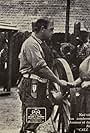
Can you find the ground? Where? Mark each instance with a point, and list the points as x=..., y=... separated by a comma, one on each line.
x=10, y=115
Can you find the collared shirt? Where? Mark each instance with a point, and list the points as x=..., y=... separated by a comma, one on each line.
x=31, y=55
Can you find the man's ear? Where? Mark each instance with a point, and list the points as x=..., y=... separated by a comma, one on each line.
x=42, y=28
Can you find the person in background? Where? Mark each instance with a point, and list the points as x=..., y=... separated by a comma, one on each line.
x=3, y=65
x=83, y=54
x=36, y=72
x=83, y=46
x=84, y=80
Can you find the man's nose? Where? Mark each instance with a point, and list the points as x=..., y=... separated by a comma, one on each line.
x=52, y=32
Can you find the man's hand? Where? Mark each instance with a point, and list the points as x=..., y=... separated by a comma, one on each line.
x=63, y=83
x=71, y=84
x=85, y=84
x=67, y=84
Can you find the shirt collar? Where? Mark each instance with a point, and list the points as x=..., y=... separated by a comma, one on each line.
x=37, y=39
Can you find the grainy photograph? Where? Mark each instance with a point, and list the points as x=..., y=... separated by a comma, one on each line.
x=44, y=66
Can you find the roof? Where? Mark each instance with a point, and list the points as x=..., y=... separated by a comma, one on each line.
x=7, y=26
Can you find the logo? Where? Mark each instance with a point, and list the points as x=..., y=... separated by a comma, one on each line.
x=35, y=114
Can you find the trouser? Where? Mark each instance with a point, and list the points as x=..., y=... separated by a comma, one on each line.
x=29, y=101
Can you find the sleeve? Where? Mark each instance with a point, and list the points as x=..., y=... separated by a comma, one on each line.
x=84, y=69
x=34, y=56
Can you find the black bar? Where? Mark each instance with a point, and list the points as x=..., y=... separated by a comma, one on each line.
x=67, y=21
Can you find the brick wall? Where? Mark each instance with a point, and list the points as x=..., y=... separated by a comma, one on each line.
x=23, y=12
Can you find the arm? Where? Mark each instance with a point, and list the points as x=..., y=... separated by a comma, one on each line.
x=46, y=72
x=77, y=81
x=34, y=57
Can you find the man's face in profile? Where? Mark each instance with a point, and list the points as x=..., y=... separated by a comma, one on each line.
x=49, y=31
